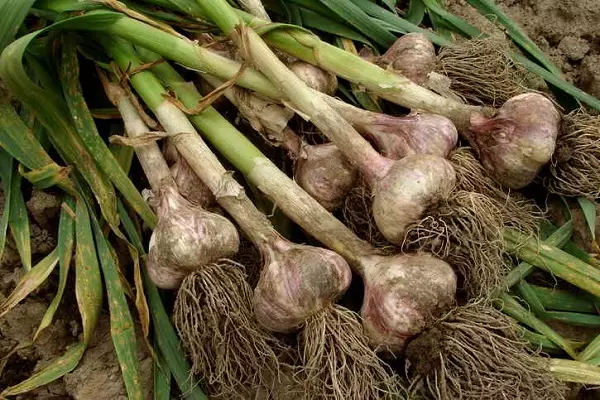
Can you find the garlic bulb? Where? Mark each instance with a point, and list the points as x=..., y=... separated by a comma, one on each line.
x=411, y=185
x=187, y=237
x=296, y=282
x=412, y=55
x=401, y=293
x=515, y=143
x=398, y=137
x=324, y=173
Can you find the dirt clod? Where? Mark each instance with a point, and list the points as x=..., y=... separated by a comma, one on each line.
x=44, y=208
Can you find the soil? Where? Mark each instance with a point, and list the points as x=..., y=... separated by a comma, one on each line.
x=567, y=30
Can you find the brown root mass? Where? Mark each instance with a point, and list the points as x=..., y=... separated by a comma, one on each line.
x=518, y=212
x=465, y=230
x=357, y=215
x=482, y=72
x=338, y=362
x=575, y=166
x=230, y=353
x=475, y=352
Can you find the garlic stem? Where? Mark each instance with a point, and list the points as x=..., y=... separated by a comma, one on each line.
x=151, y=158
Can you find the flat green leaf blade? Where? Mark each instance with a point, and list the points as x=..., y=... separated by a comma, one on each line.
x=13, y=13
x=122, y=327
x=56, y=369
x=317, y=21
x=50, y=109
x=18, y=140
x=6, y=169
x=588, y=208
x=162, y=376
x=416, y=12
x=88, y=282
x=86, y=127
x=66, y=242
x=18, y=221
x=511, y=307
x=591, y=351
x=356, y=17
x=30, y=281
x=562, y=300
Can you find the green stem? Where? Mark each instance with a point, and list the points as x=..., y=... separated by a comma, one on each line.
x=555, y=261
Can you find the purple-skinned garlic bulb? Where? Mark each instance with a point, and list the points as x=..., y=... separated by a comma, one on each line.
x=398, y=137
x=409, y=187
x=315, y=77
x=515, y=143
x=185, y=238
x=297, y=281
x=402, y=293
x=412, y=55
x=325, y=174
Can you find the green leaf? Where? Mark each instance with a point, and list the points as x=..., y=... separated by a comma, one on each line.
x=416, y=12
x=399, y=23
x=592, y=350
x=359, y=20
x=13, y=13
x=88, y=281
x=18, y=140
x=162, y=377
x=56, y=369
x=554, y=260
x=391, y=4
x=460, y=24
x=588, y=208
x=50, y=109
x=18, y=221
x=511, y=307
x=558, y=238
x=165, y=335
x=30, y=281
x=570, y=318
x=66, y=241
x=495, y=14
x=86, y=128
x=122, y=327
x=314, y=20
x=562, y=300
x=6, y=170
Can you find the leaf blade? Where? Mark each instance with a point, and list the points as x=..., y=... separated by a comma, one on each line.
x=122, y=326
x=30, y=281
x=66, y=242
x=86, y=128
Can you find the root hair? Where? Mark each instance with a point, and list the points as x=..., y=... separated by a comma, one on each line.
x=466, y=231
x=338, y=363
x=575, y=167
x=476, y=352
x=357, y=215
x=482, y=72
x=518, y=212
x=232, y=355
